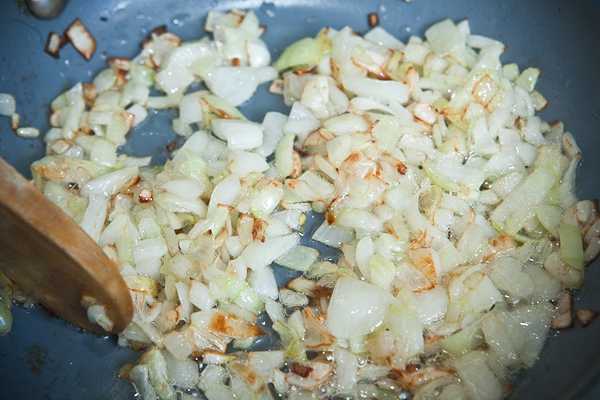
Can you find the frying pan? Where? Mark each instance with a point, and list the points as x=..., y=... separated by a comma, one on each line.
x=45, y=358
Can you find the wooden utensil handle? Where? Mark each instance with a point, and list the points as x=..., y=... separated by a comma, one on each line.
x=49, y=256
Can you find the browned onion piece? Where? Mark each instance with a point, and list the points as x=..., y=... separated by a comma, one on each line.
x=83, y=41
x=585, y=316
x=53, y=44
x=564, y=318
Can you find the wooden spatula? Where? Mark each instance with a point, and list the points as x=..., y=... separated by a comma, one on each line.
x=51, y=258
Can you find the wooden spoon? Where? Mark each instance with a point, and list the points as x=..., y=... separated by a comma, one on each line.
x=51, y=258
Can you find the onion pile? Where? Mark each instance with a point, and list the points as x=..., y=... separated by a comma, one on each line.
x=452, y=205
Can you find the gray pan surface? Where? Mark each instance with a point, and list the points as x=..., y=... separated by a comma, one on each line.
x=45, y=358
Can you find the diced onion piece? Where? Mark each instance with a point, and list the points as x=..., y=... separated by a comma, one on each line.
x=571, y=245
x=139, y=113
x=200, y=296
x=81, y=39
x=109, y=184
x=284, y=156
x=7, y=105
x=243, y=163
x=305, y=52
x=95, y=215
x=300, y=258
x=183, y=373
x=477, y=376
x=332, y=235
x=444, y=37
x=238, y=84
x=97, y=315
x=273, y=124
x=528, y=79
x=380, y=36
x=346, y=370
x=384, y=91
x=300, y=122
x=53, y=44
x=258, y=255
x=28, y=132
x=263, y=282
x=240, y=135
x=356, y=308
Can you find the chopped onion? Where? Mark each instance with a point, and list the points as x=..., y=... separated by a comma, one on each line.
x=300, y=258
x=300, y=122
x=258, y=255
x=452, y=204
x=306, y=52
x=332, y=235
x=477, y=376
x=240, y=135
x=263, y=282
x=444, y=37
x=238, y=84
x=81, y=39
x=7, y=105
x=273, y=124
x=356, y=308
x=28, y=132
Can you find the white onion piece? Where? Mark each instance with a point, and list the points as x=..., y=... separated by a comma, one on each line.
x=97, y=315
x=346, y=370
x=380, y=36
x=178, y=345
x=139, y=113
x=274, y=310
x=183, y=373
x=345, y=124
x=28, y=132
x=258, y=53
x=7, y=105
x=445, y=37
x=81, y=39
x=265, y=200
x=384, y=91
x=200, y=296
x=300, y=258
x=175, y=74
x=111, y=183
x=189, y=189
x=240, y=135
x=300, y=122
x=332, y=235
x=243, y=163
x=238, y=84
x=284, y=156
x=264, y=362
x=226, y=192
x=190, y=108
x=272, y=124
x=432, y=304
x=95, y=215
x=477, y=376
x=356, y=308
x=260, y=254
x=263, y=282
